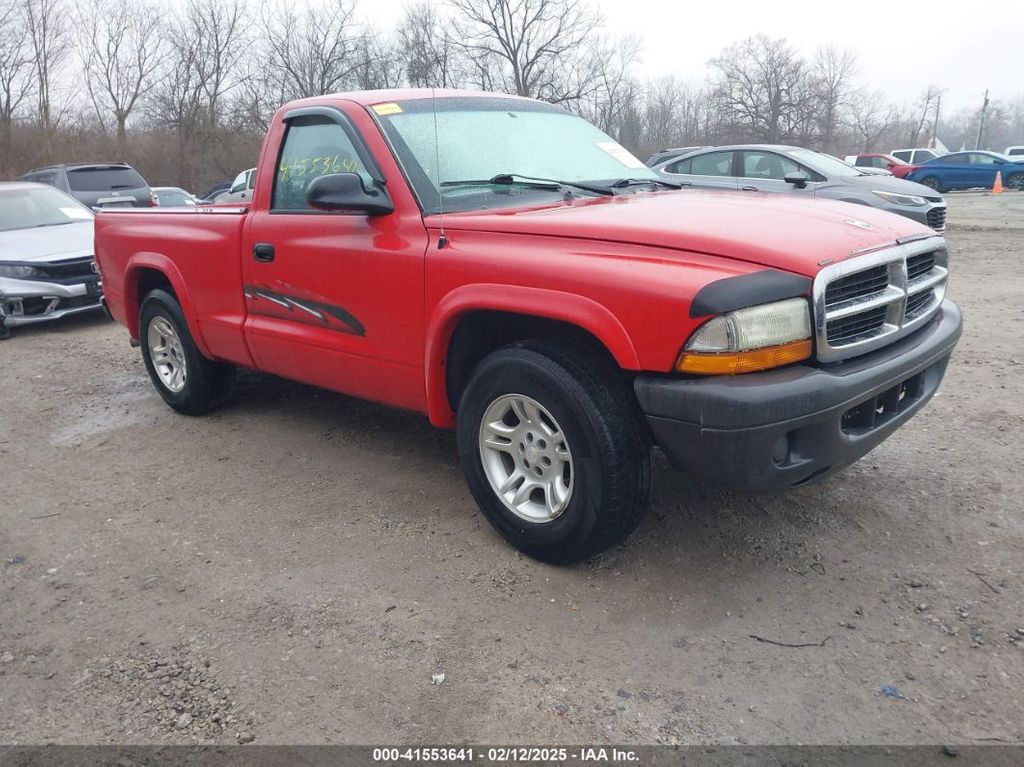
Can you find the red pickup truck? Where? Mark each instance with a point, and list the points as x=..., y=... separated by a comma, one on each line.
x=512, y=272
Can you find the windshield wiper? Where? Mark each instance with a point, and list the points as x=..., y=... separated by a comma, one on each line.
x=622, y=183
x=507, y=179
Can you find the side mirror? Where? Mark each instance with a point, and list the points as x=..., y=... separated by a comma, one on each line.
x=799, y=180
x=345, y=191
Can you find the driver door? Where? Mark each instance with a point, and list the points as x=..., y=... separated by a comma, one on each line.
x=764, y=171
x=334, y=298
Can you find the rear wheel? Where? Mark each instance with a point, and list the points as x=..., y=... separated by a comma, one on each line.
x=185, y=379
x=1015, y=181
x=554, y=450
x=932, y=183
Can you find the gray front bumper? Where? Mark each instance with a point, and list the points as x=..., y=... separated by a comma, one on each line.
x=764, y=432
x=24, y=302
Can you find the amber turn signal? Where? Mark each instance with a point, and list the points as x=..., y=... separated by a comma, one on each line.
x=733, y=363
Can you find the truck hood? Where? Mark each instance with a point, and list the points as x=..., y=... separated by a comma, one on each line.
x=47, y=243
x=799, y=235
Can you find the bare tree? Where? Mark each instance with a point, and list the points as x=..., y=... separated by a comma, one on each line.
x=309, y=51
x=48, y=36
x=833, y=70
x=763, y=84
x=535, y=48
x=871, y=118
x=15, y=75
x=615, y=90
x=926, y=105
x=427, y=48
x=120, y=50
x=378, y=62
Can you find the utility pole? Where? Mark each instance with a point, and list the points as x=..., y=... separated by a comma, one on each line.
x=981, y=121
x=935, y=125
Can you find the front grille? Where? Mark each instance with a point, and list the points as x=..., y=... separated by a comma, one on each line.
x=937, y=219
x=72, y=270
x=869, y=301
x=856, y=327
x=919, y=264
x=859, y=285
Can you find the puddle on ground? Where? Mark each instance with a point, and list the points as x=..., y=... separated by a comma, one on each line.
x=111, y=411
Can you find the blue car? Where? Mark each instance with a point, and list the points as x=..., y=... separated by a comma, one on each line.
x=967, y=170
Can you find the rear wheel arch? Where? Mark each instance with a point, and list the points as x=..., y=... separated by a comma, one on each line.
x=149, y=272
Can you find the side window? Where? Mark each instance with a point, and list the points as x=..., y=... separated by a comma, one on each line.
x=683, y=166
x=982, y=159
x=903, y=155
x=955, y=159
x=768, y=165
x=713, y=164
x=252, y=179
x=313, y=146
x=864, y=162
x=45, y=178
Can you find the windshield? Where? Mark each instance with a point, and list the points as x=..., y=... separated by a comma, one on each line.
x=30, y=206
x=480, y=138
x=825, y=165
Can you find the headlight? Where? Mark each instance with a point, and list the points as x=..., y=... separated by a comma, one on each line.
x=751, y=339
x=902, y=199
x=18, y=271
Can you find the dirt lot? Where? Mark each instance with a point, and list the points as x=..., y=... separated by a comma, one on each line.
x=294, y=568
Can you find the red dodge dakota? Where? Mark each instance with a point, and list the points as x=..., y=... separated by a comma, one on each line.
x=509, y=270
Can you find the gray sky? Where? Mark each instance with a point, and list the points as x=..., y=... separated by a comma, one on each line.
x=963, y=46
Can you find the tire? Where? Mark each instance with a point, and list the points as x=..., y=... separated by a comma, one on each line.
x=932, y=183
x=585, y=410
x=1015, y=181
x=186, y=380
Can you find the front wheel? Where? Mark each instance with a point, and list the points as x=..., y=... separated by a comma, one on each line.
x=185, y=379
x=1015, y=181
x=554, y=450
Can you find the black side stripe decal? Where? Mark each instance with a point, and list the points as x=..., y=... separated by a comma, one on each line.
x=745, y=290
x=323, y=312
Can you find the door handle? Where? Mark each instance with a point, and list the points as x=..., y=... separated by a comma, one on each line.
x=263, y=251
x=749, y=188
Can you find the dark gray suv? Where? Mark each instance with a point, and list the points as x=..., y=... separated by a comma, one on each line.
x=98, y=185
x=792, y=170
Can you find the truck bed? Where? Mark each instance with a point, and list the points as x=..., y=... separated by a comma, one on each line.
x=205, y=271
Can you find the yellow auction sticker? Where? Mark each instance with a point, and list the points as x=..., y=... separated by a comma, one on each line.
x=386, y=109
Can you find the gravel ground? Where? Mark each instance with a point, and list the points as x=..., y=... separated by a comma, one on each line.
x=296, y=567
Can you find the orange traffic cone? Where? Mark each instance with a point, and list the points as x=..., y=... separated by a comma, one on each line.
x=997, y=187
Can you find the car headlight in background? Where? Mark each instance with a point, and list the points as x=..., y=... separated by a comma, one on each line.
x=902, y=199
x=751, y=339
x=18, y=271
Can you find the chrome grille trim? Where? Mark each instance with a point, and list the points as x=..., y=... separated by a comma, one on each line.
x=878, y=328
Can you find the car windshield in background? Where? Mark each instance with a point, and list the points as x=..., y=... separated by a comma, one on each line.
x=29, y=207
x=173, y=198
x=483, y=138
x=101, y=179
x=825, y=165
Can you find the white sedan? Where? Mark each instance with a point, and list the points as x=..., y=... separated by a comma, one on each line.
x=47, y=269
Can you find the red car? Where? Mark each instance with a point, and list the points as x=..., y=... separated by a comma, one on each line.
x=510, y=271
x=894, y=165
